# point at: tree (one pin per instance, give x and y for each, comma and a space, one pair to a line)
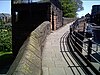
70, 7
79, 4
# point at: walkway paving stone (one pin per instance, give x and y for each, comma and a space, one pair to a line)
53, 62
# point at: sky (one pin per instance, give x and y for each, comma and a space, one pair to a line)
5, 6
87, 4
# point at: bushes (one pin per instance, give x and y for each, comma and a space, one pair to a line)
5, 38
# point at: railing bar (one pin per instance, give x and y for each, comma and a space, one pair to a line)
75, 46
95, 51
79, 52
95, 58
80, 34
78, 38
78, 58
84, 44
80, 45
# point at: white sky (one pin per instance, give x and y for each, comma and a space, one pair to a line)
87, 4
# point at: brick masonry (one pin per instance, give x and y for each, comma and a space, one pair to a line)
56, 17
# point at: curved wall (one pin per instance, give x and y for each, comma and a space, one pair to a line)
28, 60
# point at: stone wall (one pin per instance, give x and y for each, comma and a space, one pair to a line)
68, 20
28, 60
26, 18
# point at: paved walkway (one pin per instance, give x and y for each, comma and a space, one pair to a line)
53, 62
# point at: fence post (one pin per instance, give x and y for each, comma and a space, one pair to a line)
89, 49
70, 30
84, 27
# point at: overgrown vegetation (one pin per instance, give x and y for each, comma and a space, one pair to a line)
6, 56
5, 38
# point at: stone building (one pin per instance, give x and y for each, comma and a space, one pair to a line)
27, 15
5, 17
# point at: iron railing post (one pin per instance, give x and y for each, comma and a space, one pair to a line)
89, 49
70, 30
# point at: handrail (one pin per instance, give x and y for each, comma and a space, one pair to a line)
85, 49
78, 42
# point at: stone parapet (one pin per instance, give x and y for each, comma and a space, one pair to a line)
68, 20
29, 58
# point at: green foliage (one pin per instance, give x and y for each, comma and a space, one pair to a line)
79, 5
69, 8
5, 38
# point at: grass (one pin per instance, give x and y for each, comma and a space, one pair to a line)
5, 57
3, 53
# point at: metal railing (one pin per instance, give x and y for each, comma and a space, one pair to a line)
84, 48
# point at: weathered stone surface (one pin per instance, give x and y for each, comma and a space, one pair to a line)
34, 50
29, 58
